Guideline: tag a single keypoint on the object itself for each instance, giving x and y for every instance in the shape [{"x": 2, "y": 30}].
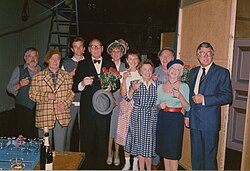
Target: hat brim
[
  {"x": 103, "y": 102},
  {"x": 110, "y": 47}
]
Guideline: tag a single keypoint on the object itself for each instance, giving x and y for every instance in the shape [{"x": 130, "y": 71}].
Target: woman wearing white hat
[{"x": 116, "y": 50}]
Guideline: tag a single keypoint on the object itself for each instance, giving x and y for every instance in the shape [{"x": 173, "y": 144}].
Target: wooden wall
[
  {"x": 212, "y": 21},
  {"x": 167, "y": 39},
  {"x": 243, "y": 19}
]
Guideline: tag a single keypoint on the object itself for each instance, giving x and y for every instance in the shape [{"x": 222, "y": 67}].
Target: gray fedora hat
[{"x": 103, "y": 102}]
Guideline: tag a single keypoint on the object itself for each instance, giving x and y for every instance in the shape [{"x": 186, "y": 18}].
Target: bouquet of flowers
[
  {"x": 109, "y": 77},
  {"x": 186, "y": 71}
]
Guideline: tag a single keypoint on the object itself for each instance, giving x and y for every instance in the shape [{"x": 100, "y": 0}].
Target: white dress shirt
[{"x": 97, "y": 68}]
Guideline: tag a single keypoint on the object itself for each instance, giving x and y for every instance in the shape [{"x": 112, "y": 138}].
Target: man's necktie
[
  {"x": 97, "y": 61},
  {"x": 203, "y": 74}
]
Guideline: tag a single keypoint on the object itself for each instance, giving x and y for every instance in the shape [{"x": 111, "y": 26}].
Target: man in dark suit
[
  {"x": 210, "y": 88},
  {"x": 94, "y": 127}
]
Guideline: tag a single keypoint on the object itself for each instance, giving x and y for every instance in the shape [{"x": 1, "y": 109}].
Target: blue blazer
[{"x": 217, "y": 91}]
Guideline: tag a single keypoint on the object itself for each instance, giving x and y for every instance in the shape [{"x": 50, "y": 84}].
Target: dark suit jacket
[
  {"x": 217, "y": 91},
  {"x": 86, "y": 68}
]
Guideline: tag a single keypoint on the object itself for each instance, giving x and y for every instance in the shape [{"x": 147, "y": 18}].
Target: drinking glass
[{"x": 17, "y": 164}]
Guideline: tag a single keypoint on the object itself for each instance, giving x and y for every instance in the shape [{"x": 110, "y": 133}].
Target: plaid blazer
[{"x": 46, "y": 110}]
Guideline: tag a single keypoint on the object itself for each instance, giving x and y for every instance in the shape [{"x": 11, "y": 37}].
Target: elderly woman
[
  {"x": 172, "y": 100},
  {"x": 165, "y": 55},
  {"x": 51, "y": 90},
  {"x": 116, "y": 50},
  {"x": 141, "y": 137}
]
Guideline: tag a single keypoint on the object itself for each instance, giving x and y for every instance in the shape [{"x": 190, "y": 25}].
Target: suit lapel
[
  {"x": 194, "y": 76},
  {"x": 48, "y": 80},
  {"x": 91, "y": 67}
]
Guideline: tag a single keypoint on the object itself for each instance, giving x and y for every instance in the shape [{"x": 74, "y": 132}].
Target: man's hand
[
  {"x": 24, "y": 82},
  {"x": 72, "y": 73},
  {"x": 51, "y": 96},
  {"x": 198, "y": 99},
  {"x": 87, "y": 80}
]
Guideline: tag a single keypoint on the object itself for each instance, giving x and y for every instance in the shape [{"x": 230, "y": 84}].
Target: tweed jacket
[{"x": 46, "y": 110}]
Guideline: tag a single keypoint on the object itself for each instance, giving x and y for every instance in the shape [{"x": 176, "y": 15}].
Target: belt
[{"x": 172, "y": 109}]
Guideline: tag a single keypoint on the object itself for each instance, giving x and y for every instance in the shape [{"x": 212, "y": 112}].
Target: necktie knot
[{"x": 97, "y": 61}]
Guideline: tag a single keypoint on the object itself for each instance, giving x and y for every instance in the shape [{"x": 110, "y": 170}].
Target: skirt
[
  {"x": 123, "y": 121},
  {"x": 169, "y": 134}
]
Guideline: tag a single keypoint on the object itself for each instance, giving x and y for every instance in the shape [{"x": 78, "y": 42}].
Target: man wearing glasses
[
  {"x": 94, "y": 127},
  {"x": 210, "y": 88}
]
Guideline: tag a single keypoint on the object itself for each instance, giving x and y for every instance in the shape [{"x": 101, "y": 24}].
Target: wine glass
[{"x": 11, "y": 144}]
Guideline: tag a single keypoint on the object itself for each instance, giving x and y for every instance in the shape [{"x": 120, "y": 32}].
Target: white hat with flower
[{"x": 120, "y": 44}]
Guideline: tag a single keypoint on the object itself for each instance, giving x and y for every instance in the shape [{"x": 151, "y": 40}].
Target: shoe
[
  {"x": 126, "y": 166},
  {"x": 110, "y": 159},
  {"x": 117, "y": 161}
]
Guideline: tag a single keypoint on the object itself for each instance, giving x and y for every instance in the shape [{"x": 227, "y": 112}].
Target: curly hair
[{"x": 50, "y": 53}]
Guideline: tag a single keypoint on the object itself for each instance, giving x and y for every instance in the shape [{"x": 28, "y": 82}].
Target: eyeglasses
[
  {"x": 203, "y": 54},
  {"x": 166, "y": 56},
  {"x": 93, "y": 47}
]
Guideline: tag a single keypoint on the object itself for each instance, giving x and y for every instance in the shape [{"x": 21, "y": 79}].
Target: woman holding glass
[
  {"x": 132, "y": 60},
  {"x": 173, "y": 101},
  {"x": 141, "y": 137}
]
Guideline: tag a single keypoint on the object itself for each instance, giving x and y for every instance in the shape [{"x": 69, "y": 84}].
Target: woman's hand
[
  {"x": 136, "y": 85},
  {"x": 126, "y": 75},
  {"x": 162, "y": 105},
  {"x": 176, "y": 92}
]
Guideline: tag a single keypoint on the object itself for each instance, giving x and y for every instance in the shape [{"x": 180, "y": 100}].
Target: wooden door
[{"x": 240, "y": 80}]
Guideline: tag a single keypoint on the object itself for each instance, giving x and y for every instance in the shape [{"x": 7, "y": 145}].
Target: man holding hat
[{"x": 94, "y": 128}]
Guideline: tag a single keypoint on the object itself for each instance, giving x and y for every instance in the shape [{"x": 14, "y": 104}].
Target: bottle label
[{"x": 49, "y": 166}]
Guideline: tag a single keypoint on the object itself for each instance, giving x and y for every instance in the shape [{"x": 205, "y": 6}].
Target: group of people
[{"x": 152, "y": 104}]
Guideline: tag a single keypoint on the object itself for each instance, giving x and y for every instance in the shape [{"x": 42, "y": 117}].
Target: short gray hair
[{"x": 166, "y": 48}]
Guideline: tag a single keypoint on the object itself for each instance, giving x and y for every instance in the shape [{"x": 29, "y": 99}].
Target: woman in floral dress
[{"x": 141, "y": 137}]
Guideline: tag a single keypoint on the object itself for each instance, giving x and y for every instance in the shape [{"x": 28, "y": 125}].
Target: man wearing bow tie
[
  {"x": 210, "y": 88},
  {"x": 94, "y": 128}
]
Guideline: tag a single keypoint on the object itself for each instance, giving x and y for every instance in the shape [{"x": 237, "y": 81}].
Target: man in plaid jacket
[{"x": 51, "y": 89}]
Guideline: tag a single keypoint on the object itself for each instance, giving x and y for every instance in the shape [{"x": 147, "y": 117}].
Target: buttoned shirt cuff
[
  {"x": 80, "y": 87},
  {"x": 203, "y": 101}
]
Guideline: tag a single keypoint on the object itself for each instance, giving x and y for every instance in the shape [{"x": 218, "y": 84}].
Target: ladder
[{"x": 64, "y": 26}]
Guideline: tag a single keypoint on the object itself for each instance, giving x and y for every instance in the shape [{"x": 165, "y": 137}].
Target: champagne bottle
[{"x": 46, "y": 155}]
